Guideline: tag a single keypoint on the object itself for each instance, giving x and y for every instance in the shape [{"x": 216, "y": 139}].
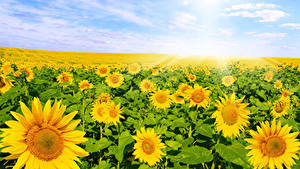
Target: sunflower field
[{"x": 140, "y": 117}]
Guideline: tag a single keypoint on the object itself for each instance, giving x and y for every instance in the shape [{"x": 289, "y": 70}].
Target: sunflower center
[
  {"x": 148, "y": 146},
  {"x": 114, "y": 79},
  {"x": 85, "y": 86},
  {"x": 103, "y": 70},
  {"x": 2, "y": 82},
  {"x": 100, "y": 111},
  {"x": 65, "y": 78},
  {"x": 274, "y": 146},
  {"x": 161, "y": 98},
  {"x": 113, "y": 113},
  {"x": 198, "y": 96},
  {"x": 279, "y": 107},
  {"x": 146, "y": 85},
  {"x": 230, "y": 114},
  {"x": 45, "y": 144}
]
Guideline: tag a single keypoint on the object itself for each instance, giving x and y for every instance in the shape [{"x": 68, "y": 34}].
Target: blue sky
[{"x": 203, "y": 27}]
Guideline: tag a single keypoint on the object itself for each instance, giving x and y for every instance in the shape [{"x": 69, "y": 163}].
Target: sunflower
[
  {"x": 199, "y": 96},
  {"x": 147, "y": 86},
  {"x": 114, "y": 80},
  {"x": 285, "y": 93},
  {"x": 113, "y": 113},
  {"x": 84, "y": 84},
  {"x": 177, "y": 98},
  {"x": 269, "y": 76},
  {"x": 192, "y": 78},
  {"x": 183, "y": 89},
  {"x": 43, "y": 138},
  {"x": 155, "y": 72},
  {"x": 207, "y": 73},
  {"x": 29, "y": 72},
  {"x": 148, "y": 146},
  {"x": 17, "y": 73},
  {"x": 65, "y": 77},
  {"x": 103, "y": 70},
  {"x": 228, "y": 80},
  {"x": 231, "y": 115},
  {"x": 278, "y": 84},
  {"x": 103, "y": 98},
  {"x": 273, "y": 146},
  {"x": 5, "y": 84},
  {"x": 161, "y": 99},
  {"x": 134, "y": 68},
  {"x": 98, "y": 111},
  {"x": 6, "y": 68},
  {"x": 281, "y": 107}
]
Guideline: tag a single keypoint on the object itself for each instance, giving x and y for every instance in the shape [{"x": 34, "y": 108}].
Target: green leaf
[
  {"x": 174, "y": 144},
  {"x": 235, "y": 153},
  {"x": 194, "y": 155},
  {"x": 124, "y": 139},
  {"x": 205, "y": 130},
  {"x": 93, "y": 145}
]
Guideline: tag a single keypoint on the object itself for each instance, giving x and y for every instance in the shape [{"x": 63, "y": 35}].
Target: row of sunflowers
[{"x": 133, "y": 116}]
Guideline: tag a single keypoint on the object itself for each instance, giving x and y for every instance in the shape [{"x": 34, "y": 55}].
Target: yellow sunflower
[
  {"x": 278, "y": 84},
  {"x": 285, "y": 93},
  {"x": 148, "y": 146},
  {"x": 161, "y": 99},
  {"x": 5, "y": 84},
  {"x": 192, "y": 78},
  {"x": 231, "y": 115},
  {"x": 43, "y": 138},
  {"x": 103, "y": 98},
  {"x": 6, "y": 68},
  {"x": 281, "y": 107},
  {"x": 183, "y": 89},
  {"x": 155, "y": 72},
  {"x": 273, "y": 146},
  {"x": 199, "y": 96},
  {"x": 207, "y": 73},
  {"x": 29, "y": 72},
  {"x": 178, "y": 98},
  {"x": 103, "y": 70},
  {"x": 113, "y": 113},
  {"x": 134, "y": 68},
  {"x": 98, "y": 111},
  {"x": 114, "y": 80},
  {"x": 147, "y": 86},
  {"x": 269, "y": 76},
  {"x": 84, "y": 84},
  {"x": 65, "y": 77},
  {"x": 228, "y": 80}
]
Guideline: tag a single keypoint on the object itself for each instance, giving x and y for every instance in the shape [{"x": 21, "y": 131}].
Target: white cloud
[
  {"x": 185, "y": 21},
  {"x": 265, "y": 15},
  {"x": 291, "y": 25},
  {"x": 250, "y": 6},
  {"x": 271, "y": 35},
  {"x": 250, "y": 33},
  {"x": 226, "y": 32}
]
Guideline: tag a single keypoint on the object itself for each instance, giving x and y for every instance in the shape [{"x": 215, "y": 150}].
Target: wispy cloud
[
  {"x": 261, "y": 11},
  {"x": 185, "y": 21},
  {"x": 271, "y": 35},
  {"x": 250, "y": 6},
  {"x": 226, "y": 32},
  {"x": 291, "y": 25}
]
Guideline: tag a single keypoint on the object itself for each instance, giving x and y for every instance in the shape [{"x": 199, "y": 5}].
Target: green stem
[
  {"x": 101, "y": 131},
  {"x": 83, "y": 104},
  {"x": 187, "y": 166}
]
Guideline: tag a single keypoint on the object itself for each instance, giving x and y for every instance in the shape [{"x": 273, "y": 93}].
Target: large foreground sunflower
[
  {"x": 199, "y": 96},
  {"x": 114, "y": 80},
  {"x": 43, "y": 138},
  {"x": 231, "y": 115},
  {"x": 273, "y": 146},
  {"x": 281, "y": 107},
  {"x": 161, "y": 99},
  {"x": 5, "y": 84},
  {"x": 148, "y": 146}
]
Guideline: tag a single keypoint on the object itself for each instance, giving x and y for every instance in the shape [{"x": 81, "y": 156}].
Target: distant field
[{"x": 58, "y": 57}]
